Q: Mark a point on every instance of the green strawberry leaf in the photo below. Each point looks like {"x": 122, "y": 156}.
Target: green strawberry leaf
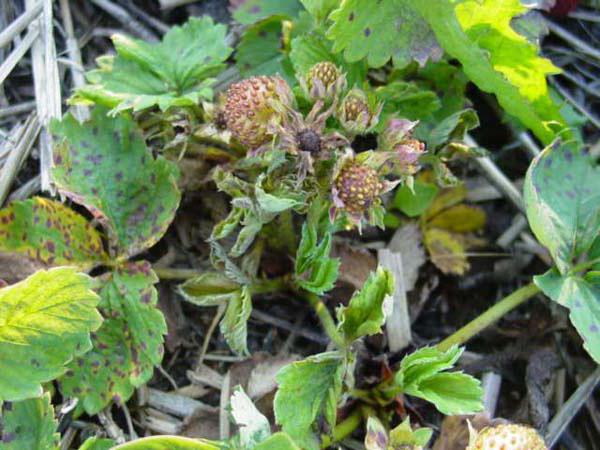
{"x": 209, "y": 289}
{"x": 49, "y": 232}
{"x": 406, "y": 99}
{"x": 104, "y": 165}
{"x": 173, "y": 72}
{"x": 168, "y": 443}
{"x": 365, "y": 314}
{"x": 452, "y": 129}
{"x": 253, "y": 426}
{"x": 319, "y": 9}
{"x": 390, "y": 29}
{"x": 251, "y": 11}
{"x": 422, "y": 374}
{"x": 45, "y": 320}
{"x": 127, "y": 346}
{"x": 565, "y": 215}
{"x": 279, "y": 441}
{"x": 496, "y": 58}
{"x": 415, "y": 202}
{"x": 29, "y": 425}
{"x": 581, "y": 295}
{"x": 97, "y": 443}
{"x": 234, "y": 325}
{"x": 451, "y": 393}
{"x": 308, "y": 389}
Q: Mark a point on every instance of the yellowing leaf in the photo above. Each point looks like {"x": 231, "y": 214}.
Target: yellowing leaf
{"x": 446, "y": 251}
{"x": 446, "y": 199}
{"x": 459, "y": 218}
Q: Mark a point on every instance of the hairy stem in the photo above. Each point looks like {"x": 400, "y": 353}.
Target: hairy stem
{"x": 489, "y": 317}
{"x": 267, "y": 286}
{"x": 172, "y": 273}
{"x": 325, "y": 318}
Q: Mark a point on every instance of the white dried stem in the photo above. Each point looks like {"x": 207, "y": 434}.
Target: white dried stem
{"x": 19, "y": 108}
{"x": 121, "y": 15}
{"x": 573, "y": 40}
{"x": 19, "y": 24}
{"x": 398, "y": 323}
{"x": 15, "y": 56}
{"x": 175, "y": 404}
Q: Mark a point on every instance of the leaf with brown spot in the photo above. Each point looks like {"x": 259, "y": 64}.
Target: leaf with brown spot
{"x": 48, "y": 233}
{"x": 104, "y": 165}
{"x": 127, "y": 346}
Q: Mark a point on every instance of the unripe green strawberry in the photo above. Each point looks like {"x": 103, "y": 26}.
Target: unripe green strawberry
{"x": 324, "y": 81}
{"x": 507, "y": 437}
{"x": 358, "y": 186}
{"x": 252, "y": 104}
{"x": 357, "y": 113}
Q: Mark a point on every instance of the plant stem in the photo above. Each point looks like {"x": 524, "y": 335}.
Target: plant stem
{"x": 489, "y": 317}
{"x": 172, "y": 273}
{"x": 343, "y": 429}
{"x": 269, "y": 285}
{"x": 325, "y": 318}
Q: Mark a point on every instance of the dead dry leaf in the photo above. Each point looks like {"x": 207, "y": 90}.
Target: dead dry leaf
{"x": 408, "y": 241}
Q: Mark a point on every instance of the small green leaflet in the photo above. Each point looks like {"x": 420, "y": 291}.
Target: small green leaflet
{"x": 29, "y": 425}
{"x": 168, "y": 443}
{"x": 127, "y": 346}
{"x": 365, "y": 314}
{"x": 96, "y": 443}
{"x": 581, "y": 295}
{"x": 401, "y": 437}
{"x": 498, "y": 60}
{"x": 208, "y": 289}
{"x": 104, "y": 165}
{"x": 254, "y": 427}
{"x": 48, "y": 232}
{"x": 234, "y": 325}
{"x": 319, "y": 9}
{"x": 279, "y": 441}
{"x": 308, "y": 389}
{"x": 174, "y": 72}
{"x": 564, "y": 215}
{"x": 406, "y": 99}
{"x": 251, "y": 11}
{"x": 45, "y": 321}
{"x": 390, "y": 29}
{"x": 315, "y": 270}
{"x": 416, "y": 201}
{"x": 422, "y": 374}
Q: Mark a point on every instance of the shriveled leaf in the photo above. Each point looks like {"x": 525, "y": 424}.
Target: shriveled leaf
{"x": 392, "y": 29}
{"x": 49, "y": 232}
{"x": 45, "y": 321}
{"x": 168, "y": 443}
{"x": 414, "y": 202}
{"x": 254, "y": 427}
{"x": 377, "y": 436}
{"x": 127, "y": 346}
{"x": 29, "y": 425}
{"x": 234, "y": 325}
{"x": 581, "y": 295}
{"x": 248, "y": 12}
{"x": 365, "y": 314}
{"x": 498, "y": 60}
{"x": 104, "y": 165}
{"x": 459, "y": 218}
{"x": 562, "y": 198}
{"x": 279, "y": 441}
{"x": 173, "y": 72}
{"x": 308, "y": 389}
{"x": 208, "y": 289}
{"x": 446, "y": 250}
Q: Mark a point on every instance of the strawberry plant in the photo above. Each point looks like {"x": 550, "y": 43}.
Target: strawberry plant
{"x": 344, "y": 118}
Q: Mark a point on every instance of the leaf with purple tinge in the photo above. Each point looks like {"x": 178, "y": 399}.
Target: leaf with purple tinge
{"x": 128, "y": 344}
{"x": 104, "y": 165}
{"x": 48, "y": 232}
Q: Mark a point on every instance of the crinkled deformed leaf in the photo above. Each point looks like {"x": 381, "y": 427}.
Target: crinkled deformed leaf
{"x": 29, "y": 425}
{"x": 308, "y": 389}
{"x": 562, "y": 199}
{"x": 423, "y": 374}
{"x": 248, "y": 12}
{"x": 497, "y": 59}
{"x": 581, "y": 295}
{"x": 173, "y": 72}
{"x": 253, "y": 426}
{"x": 127, "y": 346}
{"x": 209, "y": 289}
{"x": 378, "y": 32}
{"x": 104, "y": 165}
{"x": 365, "y": 314}
{"x": 49, "y": 232}
{"x": 234, "y": 325}
{"x": 45, "y": 320}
